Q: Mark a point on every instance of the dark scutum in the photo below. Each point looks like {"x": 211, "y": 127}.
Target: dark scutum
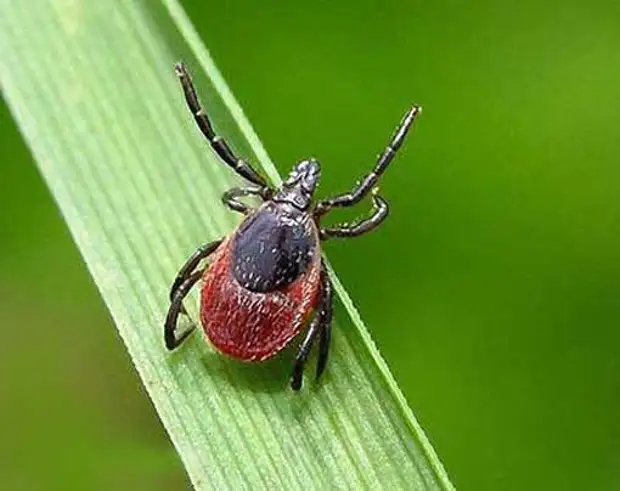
{"x": 271, "y": 250}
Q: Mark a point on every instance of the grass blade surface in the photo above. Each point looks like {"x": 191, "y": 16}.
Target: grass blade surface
{"x": 92, "y": 89}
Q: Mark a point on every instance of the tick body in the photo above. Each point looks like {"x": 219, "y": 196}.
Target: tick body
{"x": 266, "y": 281}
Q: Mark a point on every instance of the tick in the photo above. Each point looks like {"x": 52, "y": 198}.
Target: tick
{"x": 267, "y": 280}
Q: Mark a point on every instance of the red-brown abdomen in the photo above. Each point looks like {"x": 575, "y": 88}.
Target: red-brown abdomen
{"x": 249, "y": 325}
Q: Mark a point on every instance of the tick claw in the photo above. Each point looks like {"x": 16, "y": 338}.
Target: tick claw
{"x": 296, "y": 383}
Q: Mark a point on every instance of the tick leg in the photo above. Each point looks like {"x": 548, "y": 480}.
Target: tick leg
{"x": 320, "y": 326}
{"x": 380, "y": 213}
{"x": 175, "y": 309}
{"x": 326, "y": 324}
{"x": 190, "y": 265}
{"x": 371, "y": 179}
{"x": 230, "y": 197}
{"x": 220, "y": 146}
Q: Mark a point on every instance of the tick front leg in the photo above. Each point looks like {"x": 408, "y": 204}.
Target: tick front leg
{"x": 175, "y": 309}
{"x": 230, "y": 197}
{"x": 371, "y": 179}
{"x": 381, "y": 212}
{"x": 320, "y": 326}
{"x": 218, "y": 144}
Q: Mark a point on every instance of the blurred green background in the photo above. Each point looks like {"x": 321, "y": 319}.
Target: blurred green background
{"x": 500, "y": 261}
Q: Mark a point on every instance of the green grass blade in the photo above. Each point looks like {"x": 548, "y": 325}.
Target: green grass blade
{"x": 92, "y": 88}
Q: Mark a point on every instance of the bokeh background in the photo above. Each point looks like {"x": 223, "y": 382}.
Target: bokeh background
{"x": 493, "y": 291}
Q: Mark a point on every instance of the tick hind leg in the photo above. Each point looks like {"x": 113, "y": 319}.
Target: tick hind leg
{"x": 185, "y": 280}
{"x": 175, "y": 309}
{"x": 190, "y": 265}
{"x": 320, "y": 326}
{"x": 220, "y": 146}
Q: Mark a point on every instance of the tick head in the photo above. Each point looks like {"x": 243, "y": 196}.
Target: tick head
{"x": 299, "y": 186}
{"x": 304, "y": 175}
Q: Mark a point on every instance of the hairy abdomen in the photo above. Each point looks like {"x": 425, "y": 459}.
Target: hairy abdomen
{"x": 253, "y": 325}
